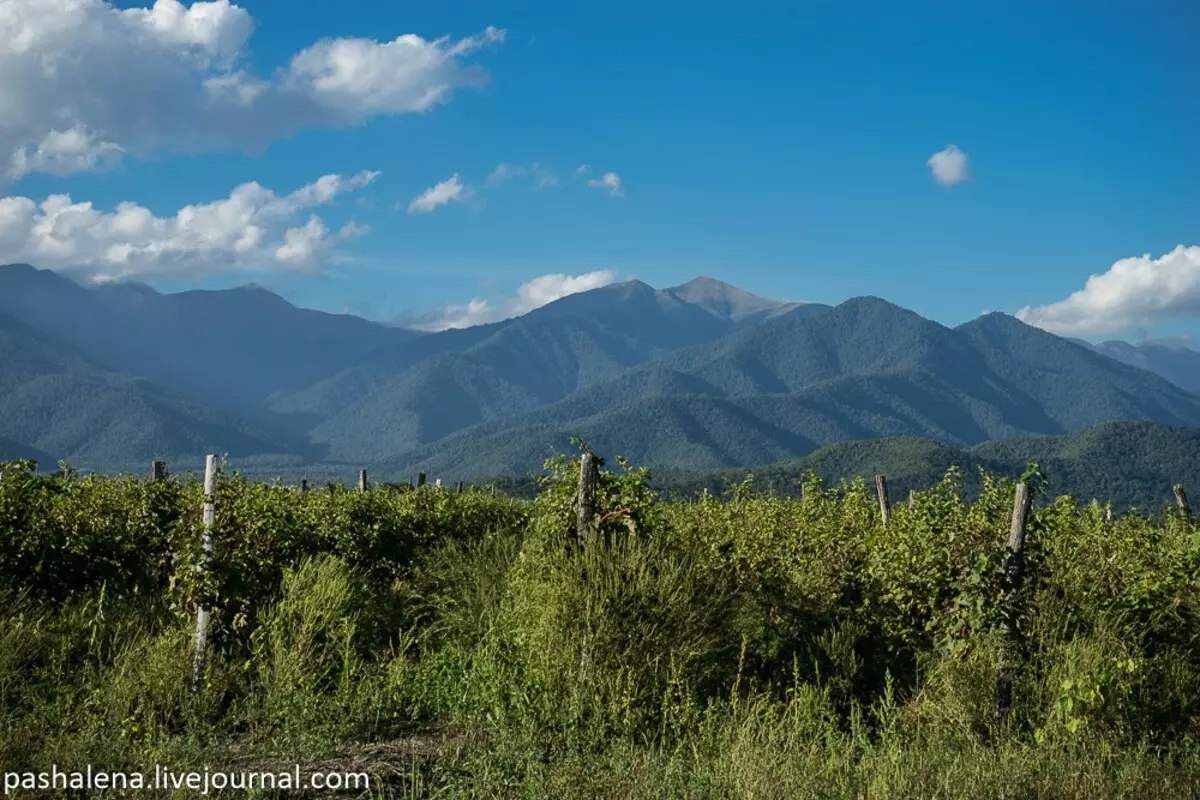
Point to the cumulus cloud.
(1134, 292)
(253, 228)
(83, 81)
(530, 295)
(609, 182)
(949, 166)
(450, 190)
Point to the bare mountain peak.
(725, 300)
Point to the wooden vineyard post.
(158, 471)
(1181, 500)
(885, 509)
(1014, 573)
(362, 480)
(912, 499)
(420, 479)
(304, 486)
(589, 476)
(202, 610)
(460, 487)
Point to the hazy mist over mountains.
(703, 375)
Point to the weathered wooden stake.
(1181, 500)
(589, 476)
(420, 479)
(460, 487)
(885, 509)
(158, 471)
(304, 486)
(912, 499)
(202, 610)
(1014, 573)
(362, 480)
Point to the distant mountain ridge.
(702, 374)
(790, 385)
(1131, 464)
(1176, 363)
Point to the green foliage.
(741, 643)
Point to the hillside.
(1131, 464)
(57, 404)
(1180, 365)
(449, 381)
(790, 385)
(698, 376)
(233, 348)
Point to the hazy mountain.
(792, 384)
(459, 378)
(1178, 364)
(233, 348)
(698, 375)
(55, 401)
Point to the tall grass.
(463, 646)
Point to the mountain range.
(698, 376)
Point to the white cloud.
(450, 190)
(253, 228)
(62, 153)
(949, 166)
(1133, 292)
(505, 172)
(352, 230)
(83, 81)
(609, 182)
(530, 295)
(541, 177)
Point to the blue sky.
(780, 147)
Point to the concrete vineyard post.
(1181, 500)
(589, 476)
(202, 610)
(362, 480)
(885, 509)
(1014, 573)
